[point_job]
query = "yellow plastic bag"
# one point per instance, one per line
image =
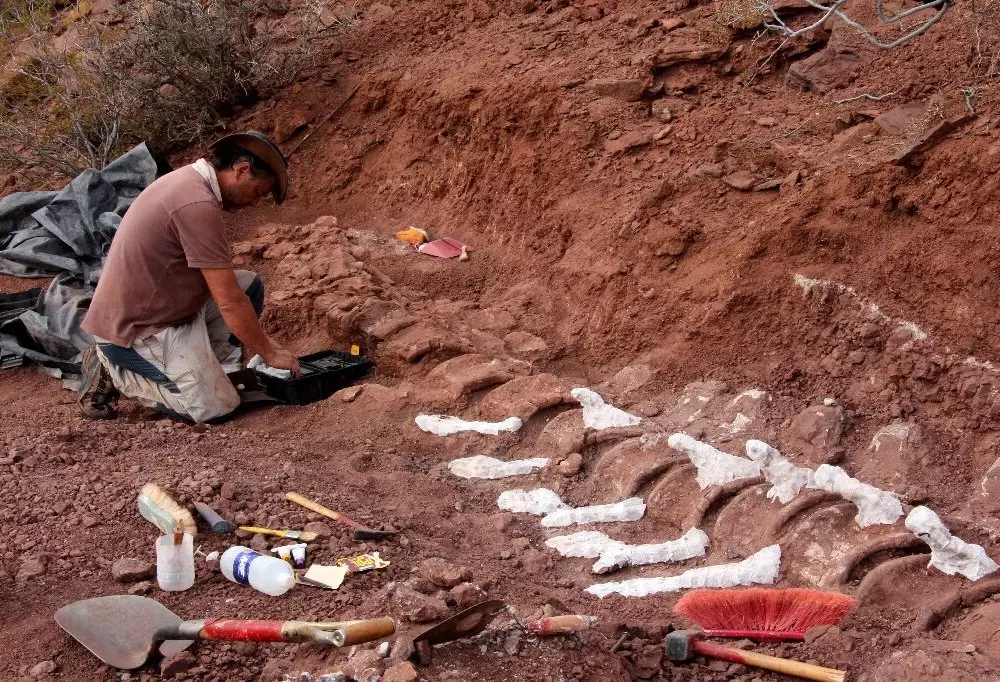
(412, 235)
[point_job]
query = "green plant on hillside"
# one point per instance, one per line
(170, 75)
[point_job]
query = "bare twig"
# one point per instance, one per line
(326, 118)
(970, 94)
(750, 79)
(865, 95)
(834, 9)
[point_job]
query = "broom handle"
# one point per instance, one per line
(759, 635)
(806, 671)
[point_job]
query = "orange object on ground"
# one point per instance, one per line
(413, 235)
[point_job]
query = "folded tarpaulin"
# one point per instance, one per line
(66, 235)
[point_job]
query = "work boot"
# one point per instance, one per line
(97, 394)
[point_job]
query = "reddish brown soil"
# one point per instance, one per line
(465, 124)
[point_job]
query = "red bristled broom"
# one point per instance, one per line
(761, 614)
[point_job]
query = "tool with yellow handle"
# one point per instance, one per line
(303, 535)
(683, 645)
(361, 532)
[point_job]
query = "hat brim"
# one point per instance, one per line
(266, 152)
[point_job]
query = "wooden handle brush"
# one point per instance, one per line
(161, 510)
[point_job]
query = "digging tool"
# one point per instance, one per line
(361, 532)
(123, 630)
(213, 519)
(467, 623)
(683, 645)
(350, 632)
(301, 535)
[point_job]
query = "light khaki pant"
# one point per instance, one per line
(189, 356)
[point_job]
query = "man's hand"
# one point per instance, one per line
(239, 316)
(279, 358)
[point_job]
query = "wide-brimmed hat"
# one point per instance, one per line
(261, 146)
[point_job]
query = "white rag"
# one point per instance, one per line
(207, 171)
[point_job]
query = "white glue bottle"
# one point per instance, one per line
(264, 573)
(175, 562)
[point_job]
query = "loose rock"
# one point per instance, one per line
(43, 669)
(443, 573)
(402, 649)
(401, 672)
(417, 607)
(321, 529)
(572, 465)
(141, 588)
(468, 594)
(364, 666)
(128, 570)
(741, 180)
(175, 664)
(30, 568)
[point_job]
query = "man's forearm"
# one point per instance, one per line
(242, 321)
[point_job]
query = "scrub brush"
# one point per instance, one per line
(157, 507)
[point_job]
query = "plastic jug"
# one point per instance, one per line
(175, 562)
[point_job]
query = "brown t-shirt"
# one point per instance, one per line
(151, 278)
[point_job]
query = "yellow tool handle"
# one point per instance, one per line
(313, 506)
(806, 671)
(263, 531)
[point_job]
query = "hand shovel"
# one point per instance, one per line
(361, 532)
(124, 630)
(467, 623)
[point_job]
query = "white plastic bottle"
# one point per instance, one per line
(175, 563)
(264, 573)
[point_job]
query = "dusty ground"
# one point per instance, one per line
(610, 250)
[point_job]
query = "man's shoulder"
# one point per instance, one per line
(182, 188)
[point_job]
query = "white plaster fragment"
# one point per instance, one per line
(614, 555)
(599, 415)
(441, 425)
(482, 466)
(758, 569)
(874, 505)
(631, 509)
(691, 544)
(588, 544)
(785, 478)
(714, 466)
(949, 554)
(540, 501)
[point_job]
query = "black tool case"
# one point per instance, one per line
(13, 305)
(323, 374)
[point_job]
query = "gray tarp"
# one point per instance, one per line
(66, 234)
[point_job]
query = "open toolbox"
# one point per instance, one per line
(323, 374)
(13, 305)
